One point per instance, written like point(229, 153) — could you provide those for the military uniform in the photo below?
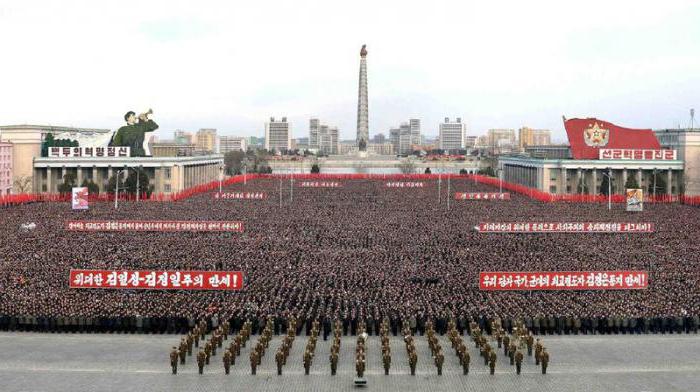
point(183, 351)
point(538, 351)
point(465, 362)
point(518, 361)
point(506, 343)
point(201, 357)
point(544, 357)
point(492, 362)
point(173, 359)
point(227, 361)
point(334, 362)
point(386, 359)
point(511, 353)
point(254, 358)
point(439, 360)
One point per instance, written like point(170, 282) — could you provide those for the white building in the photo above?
point(278, 135)
point(232, 143)
point(414, 125)
point(452, 134)
point(323, 138)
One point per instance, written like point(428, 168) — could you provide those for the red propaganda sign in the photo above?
point(234, 226)
point(401, 184)
point(568, 280)
point(320, 184)
point(156, 280)
point(588, 135)
point(240, 195)
point(637, 154)
point(566, 227)
point(481, 196)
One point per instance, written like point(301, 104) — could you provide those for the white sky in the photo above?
point(231, 65)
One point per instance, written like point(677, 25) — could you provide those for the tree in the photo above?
point(49, 141)
point(407, 166)
point(315, 168)
point(69, 180)
point(488, 171)
point(130, 184)
point(112, 183)
point(233, 162)
point(93, 188)
point(427, 170)
point(463, 171)
point(631, 182)
point(582, 187)
point(22, 184)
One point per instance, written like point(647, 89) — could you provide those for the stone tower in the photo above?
point(362, 116)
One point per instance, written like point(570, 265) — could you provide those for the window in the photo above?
point(167, 173)
point(166, 188)
point(553, 189)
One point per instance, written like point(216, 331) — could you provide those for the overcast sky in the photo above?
point(231, 65)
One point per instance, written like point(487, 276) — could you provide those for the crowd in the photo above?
point(360, 252)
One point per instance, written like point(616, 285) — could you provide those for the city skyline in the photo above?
point(630, 63)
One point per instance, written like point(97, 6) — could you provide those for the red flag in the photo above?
point(588, 135)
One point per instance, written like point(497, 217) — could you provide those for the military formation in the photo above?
point(514, 346)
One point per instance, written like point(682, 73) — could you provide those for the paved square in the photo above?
point(113, 362)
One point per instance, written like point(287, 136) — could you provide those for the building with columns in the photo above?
point(598, 149)
point(6, 179)
point(166, 174)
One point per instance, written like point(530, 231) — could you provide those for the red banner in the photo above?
point(402, 184)
point(320, 184)
point(588, 135)
point(240, 195)
point(567, 280)
point(565, 227)
point(167, 226)
point(156, 280)
point(481, 196)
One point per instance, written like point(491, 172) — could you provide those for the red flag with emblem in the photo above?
point(588, 135)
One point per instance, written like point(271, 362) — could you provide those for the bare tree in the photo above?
point(22, 184)
point(407, 166)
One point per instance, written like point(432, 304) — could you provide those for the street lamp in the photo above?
point(500, 180)
point(221, 177)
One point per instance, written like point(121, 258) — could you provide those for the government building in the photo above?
point(665, 161)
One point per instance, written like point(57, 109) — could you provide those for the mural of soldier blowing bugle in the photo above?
point(134, 132)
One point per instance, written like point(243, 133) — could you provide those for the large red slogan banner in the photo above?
point(588, 135)
point(156, 280)
point(567, 280)
point(129, 225)
point(565, 227)
point(481, 196)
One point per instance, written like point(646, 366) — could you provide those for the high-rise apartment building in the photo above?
point(278, 135)
point(451, 134)
point(533, 137)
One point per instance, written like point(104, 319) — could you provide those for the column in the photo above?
point(669, 182)
point(578, 180)
point(63, 173)
point(594, 177)
point(564, 181)
point(94, 176)
point(624, 181)
point(80, 176)
point(49, 181)
point(639, 178)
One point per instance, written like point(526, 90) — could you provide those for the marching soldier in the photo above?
point(207, 350)
point(544, 357)
point(182, 351)
point(360, 367)
point(253, 361)
point(386, 359)
point(334, 362)
point(412, 361)
point(499, 338)
point(465, 361)
point(279, 358)
point(529, 340)
point(506, 342)
point(518, 361)
point(538, 351)
point(492, 361)
point(201, 357)
point(307, 361)
point(439, 360)
point(227, 361)
point(173, 359)
point(511, 353)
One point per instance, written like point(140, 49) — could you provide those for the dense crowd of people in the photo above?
point(359, 252)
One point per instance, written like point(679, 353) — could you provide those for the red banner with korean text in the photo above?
point(404, 184)
point(166, 226)
point(566, 280)
point(320, 184)
point(565, 227)
point(240, 195)
point(481, 196)
point(156, 280)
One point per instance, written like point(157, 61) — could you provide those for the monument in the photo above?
point(362, 116)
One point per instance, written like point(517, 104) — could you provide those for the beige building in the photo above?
point(166, 174)
point(6, 180)
point(501, 140)
point(171, 149)
point(533, 137)
point(232, 143)
point(26, 141)
point(278, 135)
point(687, 143)
point(386, 148)
point(207, 140)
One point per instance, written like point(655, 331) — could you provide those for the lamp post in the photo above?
point(221, 178)
point(654, 185)
point(500, 180)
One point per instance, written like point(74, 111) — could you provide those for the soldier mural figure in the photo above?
point(134, 132)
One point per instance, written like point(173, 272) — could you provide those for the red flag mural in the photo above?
point(588, 135)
